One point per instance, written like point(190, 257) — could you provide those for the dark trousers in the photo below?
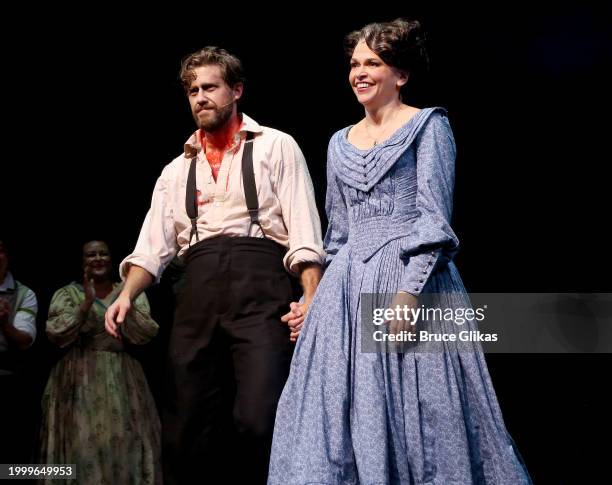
point(229, 358)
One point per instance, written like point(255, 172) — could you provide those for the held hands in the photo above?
point(115, 315)
point(295, 318)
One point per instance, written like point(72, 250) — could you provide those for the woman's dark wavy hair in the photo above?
point(400, 44)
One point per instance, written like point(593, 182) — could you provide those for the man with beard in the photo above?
point(238, 207)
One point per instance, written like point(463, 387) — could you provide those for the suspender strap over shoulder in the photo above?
point(191, 200)
point(248, 181)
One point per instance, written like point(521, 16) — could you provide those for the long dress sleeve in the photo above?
point(337, 215)
point(433, 243)
point(139, 328)
point(65, 318)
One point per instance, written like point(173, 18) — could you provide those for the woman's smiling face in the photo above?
point(373, 81)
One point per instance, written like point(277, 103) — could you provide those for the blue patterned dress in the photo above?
point(351, 417)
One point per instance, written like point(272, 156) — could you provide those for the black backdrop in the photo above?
point(95, 110)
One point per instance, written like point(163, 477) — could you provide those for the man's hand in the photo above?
point(310, 275)
point(137, 280)
point(115, 315)
point(5, 311)
point(19, 338)
point(295, 318)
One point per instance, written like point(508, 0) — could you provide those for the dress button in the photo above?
point(420, 281)
point(430, 263)
point(416, 289)
point(425, 272)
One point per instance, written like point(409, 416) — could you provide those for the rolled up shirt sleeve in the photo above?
point(156, 244)
point(433, 243)
point(25, 315)
point(296, 195)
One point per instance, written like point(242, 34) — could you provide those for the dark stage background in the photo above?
point(96, 111)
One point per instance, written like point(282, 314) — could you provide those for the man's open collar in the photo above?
point(192, 146)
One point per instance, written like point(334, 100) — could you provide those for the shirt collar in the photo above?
point(192, 145)
point(8, 283)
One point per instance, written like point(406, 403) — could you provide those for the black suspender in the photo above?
point(248, 181)
point(191, 200)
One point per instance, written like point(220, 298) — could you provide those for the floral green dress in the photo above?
point(97, 410)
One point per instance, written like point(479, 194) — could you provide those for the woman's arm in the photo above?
point(433, 240)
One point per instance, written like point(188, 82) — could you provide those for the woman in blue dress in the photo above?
point(349, 416)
